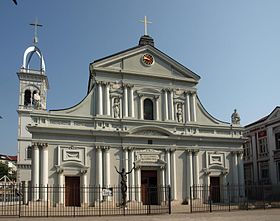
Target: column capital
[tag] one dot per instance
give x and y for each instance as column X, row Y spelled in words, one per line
column 83, row 171
column 106, row 83
column 196, row 151
column 98, row 82
column 189, row 151
column 130, row 86
column 35, row 145
column 106, row 148
column 167, row 149
column 125, row 148
column 98, row 147
column 131, row 148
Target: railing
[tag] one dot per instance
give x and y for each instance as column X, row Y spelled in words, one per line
column 233, row 197
column 50, row 201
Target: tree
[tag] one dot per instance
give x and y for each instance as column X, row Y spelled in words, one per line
column 4, row 170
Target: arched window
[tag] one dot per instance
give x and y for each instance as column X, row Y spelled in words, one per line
column 33, row 100
column 28, row 152
column 148, row 109
column 27, row 97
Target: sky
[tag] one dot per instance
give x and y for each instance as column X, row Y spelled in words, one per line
column 234, row 46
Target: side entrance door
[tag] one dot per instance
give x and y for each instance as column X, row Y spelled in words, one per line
column 215, row 189
column 72, row 191
column 149, row 192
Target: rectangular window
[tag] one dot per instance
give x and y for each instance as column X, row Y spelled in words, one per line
column 247, row 150
column 150, row 141
column 28, row 153
column 262, row 144
column 264, row 173
column 278, row 171
column 277, row 141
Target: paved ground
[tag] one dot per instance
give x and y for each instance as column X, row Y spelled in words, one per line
column 252, row 215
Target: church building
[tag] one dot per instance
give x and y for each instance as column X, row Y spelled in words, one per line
column 141, row 108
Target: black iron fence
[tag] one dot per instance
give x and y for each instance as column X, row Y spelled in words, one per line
column 19, row 200
column 232, row 197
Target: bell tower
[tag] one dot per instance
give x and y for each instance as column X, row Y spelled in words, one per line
column 33, row 87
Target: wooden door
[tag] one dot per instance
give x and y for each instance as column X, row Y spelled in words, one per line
column 72, row 191
column 149, row 187
column 215, row 189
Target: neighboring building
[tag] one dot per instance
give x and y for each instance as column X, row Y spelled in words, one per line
column 141, row 107
column 262, row 150
column 10, row 161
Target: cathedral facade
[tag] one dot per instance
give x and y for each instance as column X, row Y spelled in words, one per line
column 142, row 110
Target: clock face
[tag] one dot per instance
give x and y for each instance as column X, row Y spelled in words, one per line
column 148, row 59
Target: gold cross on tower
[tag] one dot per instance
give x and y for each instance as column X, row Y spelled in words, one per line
column 36, row 25
column 146, row 22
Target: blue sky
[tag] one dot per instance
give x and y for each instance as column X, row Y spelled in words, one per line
column 233, row 45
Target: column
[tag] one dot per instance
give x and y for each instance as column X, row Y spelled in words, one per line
column 35, row 172
column 107, row 180
column 187, row 107
column 194, row 106
column 174, row 175
column 196, row 173
column 125, row 166
column 100, row 99
column 167, row 155
column 157, row 108
column 141, row 114
column 271, row 148
column 44, row 170
column 162, row 169
column 131, row 101
column 241, row 173
column 132, row 175
column 25, row 192
column 61, row 186
column 234, row 169
column 138, row 184
column 171, row 107
column 99, row 174
column 189, row 172
column 165, row 106
column 85, row 187
column 107, row 98
column 125, row 106
column 255, row 157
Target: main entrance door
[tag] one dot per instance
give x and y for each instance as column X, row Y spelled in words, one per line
column 215, row 189
column 72, row 191
column 149, row 187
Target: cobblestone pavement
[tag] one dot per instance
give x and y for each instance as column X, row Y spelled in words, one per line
column 251, row 215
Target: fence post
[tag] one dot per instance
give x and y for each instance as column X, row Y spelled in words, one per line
column 47, row 200
column 99, row 199
column 191, row 199
column 20, row 197
column 169, row 199
column 210, row 197
column 263, row 196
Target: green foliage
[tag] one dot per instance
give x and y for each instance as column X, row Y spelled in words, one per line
column 4, row 170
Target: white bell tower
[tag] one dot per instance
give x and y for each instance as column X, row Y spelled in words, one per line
column 33, row 87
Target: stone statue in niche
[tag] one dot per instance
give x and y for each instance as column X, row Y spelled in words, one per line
column 235, row 118
column 37, row 100
column 179, row 113
column 124, row 183
column 116, row 107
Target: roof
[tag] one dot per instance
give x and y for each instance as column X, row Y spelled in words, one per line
column 7, row 157
column 263, row 119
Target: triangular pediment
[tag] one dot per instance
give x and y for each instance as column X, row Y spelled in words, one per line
column 274, row 114
column 132, row 62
